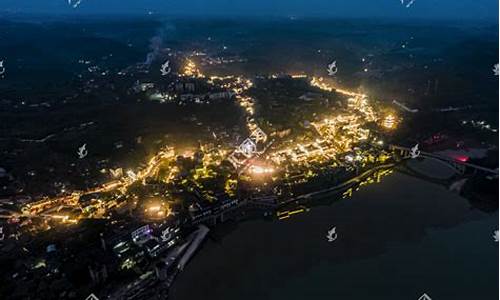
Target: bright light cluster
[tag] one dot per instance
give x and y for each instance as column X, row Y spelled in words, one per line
column 258, row 170
column 389, row 121
column 191, row 70
column 337, row 135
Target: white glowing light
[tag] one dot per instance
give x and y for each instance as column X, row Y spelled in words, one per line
column 141, row 232
column 2, row 68
column 261, row 170
column 165, row 68
column 167, row 233
column 331, row 235
column 74, row 3
column 425, row 297
column 414, row 153
column 495, row 69
column 332, row 68
column 82, row 151
column 132, row 175
column 249, row 147
column 408, row 3
column 92, row 297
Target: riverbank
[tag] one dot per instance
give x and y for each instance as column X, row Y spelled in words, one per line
column 396, row 240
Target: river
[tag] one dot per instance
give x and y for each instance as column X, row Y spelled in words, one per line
column 397, row 239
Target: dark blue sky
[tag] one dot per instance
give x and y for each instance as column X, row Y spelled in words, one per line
column 435, row 9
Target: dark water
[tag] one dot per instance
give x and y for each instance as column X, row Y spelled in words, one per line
column 396, row 240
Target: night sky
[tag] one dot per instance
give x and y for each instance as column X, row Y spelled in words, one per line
column 435, row 9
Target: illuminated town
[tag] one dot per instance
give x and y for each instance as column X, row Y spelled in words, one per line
column 341, row 140
column 176, row 190
column 193, row 148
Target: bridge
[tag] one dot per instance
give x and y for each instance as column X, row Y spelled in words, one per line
column 459, row 167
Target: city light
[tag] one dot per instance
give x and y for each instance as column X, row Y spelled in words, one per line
column 116, row 168
column 389, row 121
column 156, row 209
column 339, row 132
column 258, row 170
column 191, row 70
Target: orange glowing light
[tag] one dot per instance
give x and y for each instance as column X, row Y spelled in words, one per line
column 261, row 170
column 389, row 121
